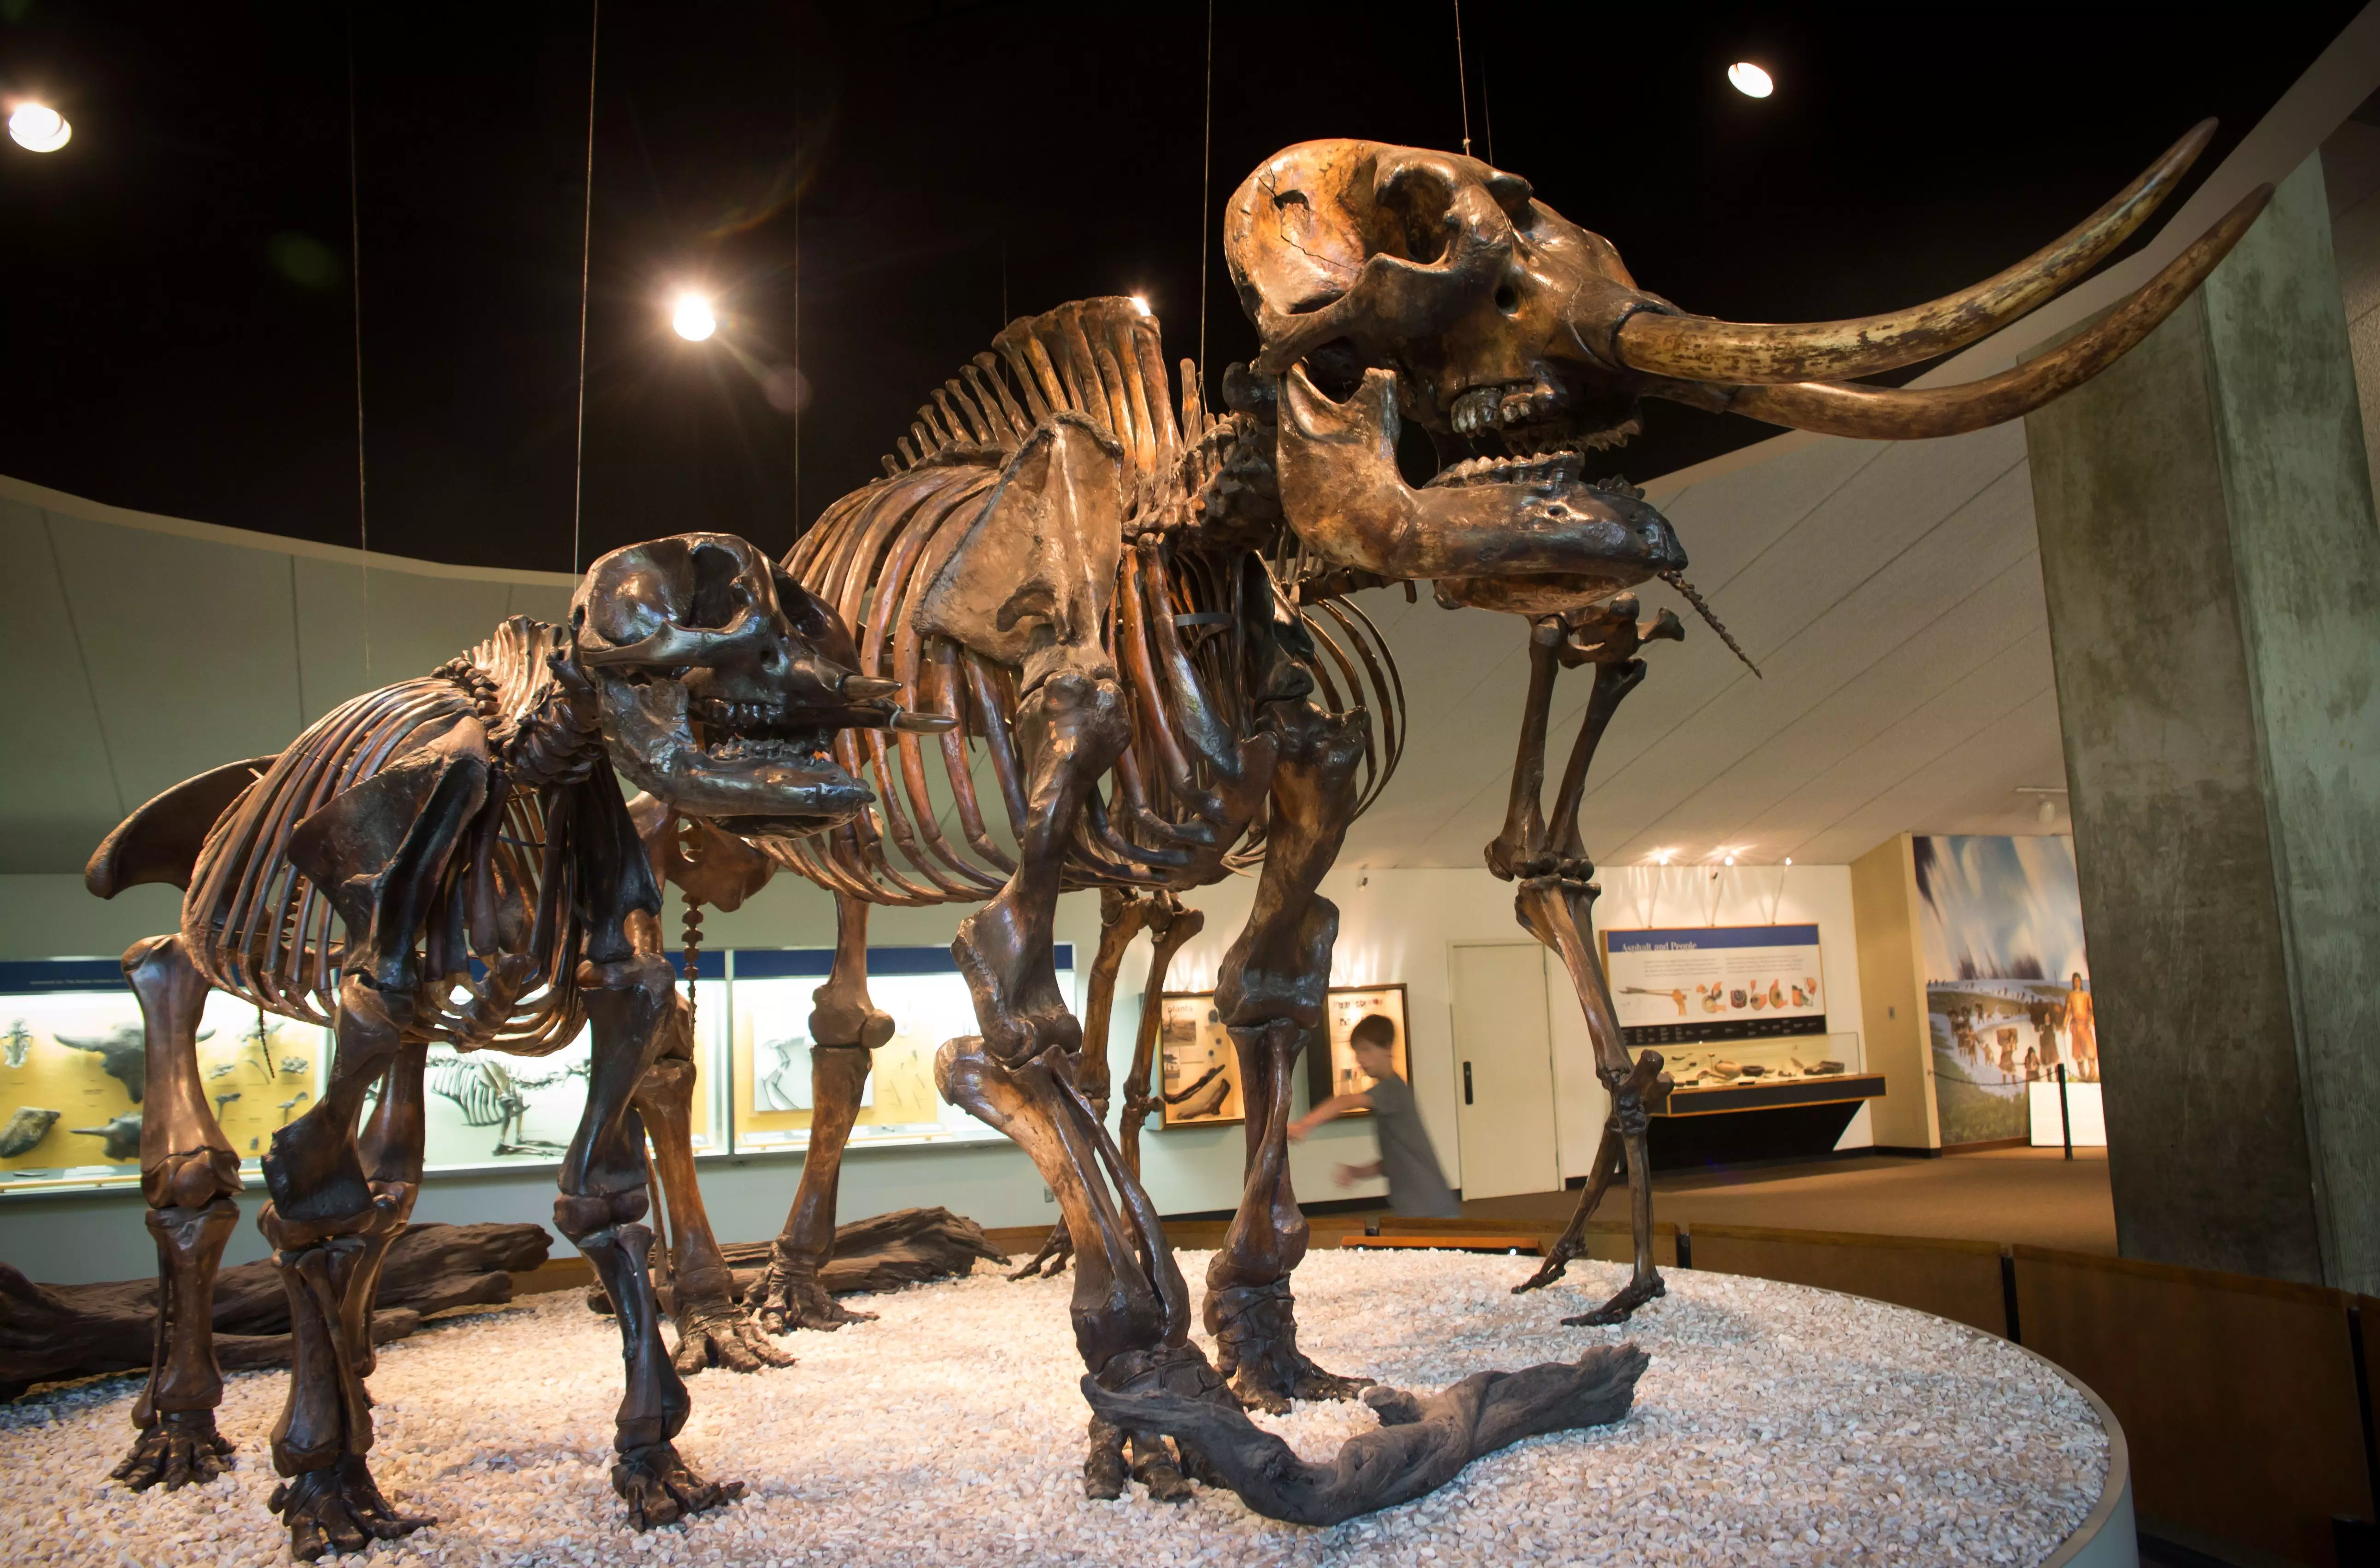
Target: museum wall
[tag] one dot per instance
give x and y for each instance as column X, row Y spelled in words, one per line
column 1394, row 924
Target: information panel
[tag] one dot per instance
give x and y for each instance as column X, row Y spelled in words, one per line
column 1696, row 983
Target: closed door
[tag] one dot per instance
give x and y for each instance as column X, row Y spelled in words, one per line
column 1504, row 1070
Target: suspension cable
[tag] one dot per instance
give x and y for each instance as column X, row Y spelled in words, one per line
column 356, row 281
column 1462, row 78
column 585, row 264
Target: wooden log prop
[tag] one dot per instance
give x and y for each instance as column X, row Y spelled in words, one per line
column 49, row 1333
column 1421, row 1443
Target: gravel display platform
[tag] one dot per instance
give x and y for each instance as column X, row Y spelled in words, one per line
column 1775, row 1424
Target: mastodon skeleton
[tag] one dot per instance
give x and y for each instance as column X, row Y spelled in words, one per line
column 1137, row 704
column 449, row 860
column 1090, row 587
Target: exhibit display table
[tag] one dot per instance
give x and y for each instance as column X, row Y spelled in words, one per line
column 1766, row 1118
column 1775, row 1422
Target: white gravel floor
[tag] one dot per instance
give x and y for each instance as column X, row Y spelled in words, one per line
column 1775, row 1424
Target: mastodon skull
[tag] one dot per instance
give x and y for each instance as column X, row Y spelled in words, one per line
column 1392, row 283
column 722, row 683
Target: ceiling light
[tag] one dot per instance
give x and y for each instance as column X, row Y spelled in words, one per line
column 2048, row 812
column 1750, row 79
column 693, row 319
column 1140, row 303
column 1789, row 859
column 1731, row 859
column 37, row 128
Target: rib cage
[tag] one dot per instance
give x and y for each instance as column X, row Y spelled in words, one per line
column 1179, row 603
column 259, row 928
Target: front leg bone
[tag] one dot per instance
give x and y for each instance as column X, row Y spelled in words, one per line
column 628, row 1001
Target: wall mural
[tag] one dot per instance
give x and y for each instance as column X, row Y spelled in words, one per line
column 2008, row 982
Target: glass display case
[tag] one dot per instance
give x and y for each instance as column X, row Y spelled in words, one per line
column 73, row 1058
column 73, row 1061
column 1711, row 1064
column 768, row 1011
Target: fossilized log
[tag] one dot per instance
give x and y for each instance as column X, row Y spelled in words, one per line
column 1421, row 1443
column 50, row 1333
column 882, row 1253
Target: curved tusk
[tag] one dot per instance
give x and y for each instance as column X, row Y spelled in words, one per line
column 1893, row 414
column 1705, row 349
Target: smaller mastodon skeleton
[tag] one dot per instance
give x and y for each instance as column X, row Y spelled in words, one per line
column 449, row 860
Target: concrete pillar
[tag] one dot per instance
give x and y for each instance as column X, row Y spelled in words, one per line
column 1899, row 1041
column 2212, row 571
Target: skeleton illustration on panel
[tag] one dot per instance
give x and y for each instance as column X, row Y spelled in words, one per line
column 449, row 861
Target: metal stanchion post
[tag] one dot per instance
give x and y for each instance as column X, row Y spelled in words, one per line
column 2065, row 1120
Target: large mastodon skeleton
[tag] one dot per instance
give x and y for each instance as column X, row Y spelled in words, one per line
column 1133, row 614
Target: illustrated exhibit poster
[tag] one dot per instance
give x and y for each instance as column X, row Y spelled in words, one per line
column 2008, row 982
column 74, row 1059
column 770, row 1044
column 1199, row 1073
column 1333, row 1071
column 1702, row 983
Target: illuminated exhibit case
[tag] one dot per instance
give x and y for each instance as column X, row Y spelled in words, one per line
column 73, row 1055
column 72, row 1068
column 1200, row 1072
column 1739, row 1015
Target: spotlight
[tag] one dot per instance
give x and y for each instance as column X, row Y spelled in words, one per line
column 1789, row 859
column 37, row 128
column 1750, row 79
column 1731, row 859
column 2048, row 812
column 693, row 319
column 1140, row 303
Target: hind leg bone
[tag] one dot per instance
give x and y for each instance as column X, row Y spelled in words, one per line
column 328, row 1222
column 1271, row 992
column 846, row 1030
column 189, row 1172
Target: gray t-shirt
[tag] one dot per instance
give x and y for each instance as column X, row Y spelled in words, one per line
column 1416, row 1187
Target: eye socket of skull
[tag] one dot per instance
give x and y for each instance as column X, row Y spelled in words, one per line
column 692, row 599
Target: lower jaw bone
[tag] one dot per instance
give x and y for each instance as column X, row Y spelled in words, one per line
column 1544, row 594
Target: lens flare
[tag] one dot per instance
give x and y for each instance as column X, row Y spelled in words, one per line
column 693, row 321
column 1750, row 79
column 37, row 128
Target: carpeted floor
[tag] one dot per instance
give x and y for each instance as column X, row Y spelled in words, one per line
column 2009, row 1195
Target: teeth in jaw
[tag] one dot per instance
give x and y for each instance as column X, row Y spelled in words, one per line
column 740, row 715
column 759, row 748
column 1559, row 467
column 1502, row 405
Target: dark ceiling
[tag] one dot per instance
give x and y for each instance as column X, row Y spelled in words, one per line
column 176, row 314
